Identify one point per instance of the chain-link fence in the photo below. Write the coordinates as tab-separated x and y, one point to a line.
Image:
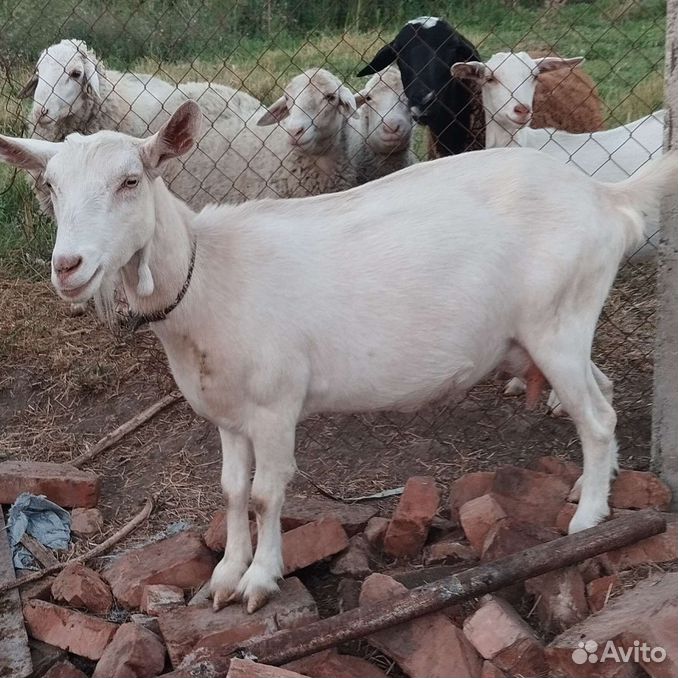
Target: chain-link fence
271	133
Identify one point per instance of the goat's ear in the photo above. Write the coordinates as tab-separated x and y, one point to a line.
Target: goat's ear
176	137
545	64
360	99
27	154
275	113
92	83
28	90
385	56
347	102
470	70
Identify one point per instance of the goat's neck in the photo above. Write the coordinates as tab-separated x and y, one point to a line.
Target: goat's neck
168	254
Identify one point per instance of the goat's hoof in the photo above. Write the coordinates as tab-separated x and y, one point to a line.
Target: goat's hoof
555	406
515	387
224	583
583	520
256	587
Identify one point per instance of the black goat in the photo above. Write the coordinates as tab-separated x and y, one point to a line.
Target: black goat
424	50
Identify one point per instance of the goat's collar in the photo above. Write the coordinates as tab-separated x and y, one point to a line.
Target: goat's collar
137	320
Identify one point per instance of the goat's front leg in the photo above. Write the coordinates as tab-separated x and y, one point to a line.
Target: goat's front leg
273	441
235	482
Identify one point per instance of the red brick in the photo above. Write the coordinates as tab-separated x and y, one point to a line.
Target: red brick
182	560
40	589
646	614
448	552
408	529
298	511
86	523
375	530
187	628
661	548
430	646
478	517
63	484
511	536
469	487
639	489
568	470
64	669
500	635
245	668
81	587
489	670
530	496
156	598
330	664
134	652
215	535
354	561
70	630
311	543
565	515
599	590
560	598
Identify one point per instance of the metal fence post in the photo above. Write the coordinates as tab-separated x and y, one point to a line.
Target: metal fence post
665	404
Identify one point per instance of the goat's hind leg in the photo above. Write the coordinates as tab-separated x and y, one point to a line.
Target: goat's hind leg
235	482
577	381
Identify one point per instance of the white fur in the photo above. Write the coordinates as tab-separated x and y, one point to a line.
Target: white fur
425	21
337	303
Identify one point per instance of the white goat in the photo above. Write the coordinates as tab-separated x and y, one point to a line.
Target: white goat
272	310
380	140
508	82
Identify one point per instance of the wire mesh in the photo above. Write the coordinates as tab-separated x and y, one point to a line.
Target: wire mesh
128	65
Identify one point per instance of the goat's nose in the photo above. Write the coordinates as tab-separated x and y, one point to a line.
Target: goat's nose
392	126
43	112
296	133
64	265
521	109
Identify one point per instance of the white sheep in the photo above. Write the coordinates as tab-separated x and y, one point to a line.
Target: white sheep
273	310
380	140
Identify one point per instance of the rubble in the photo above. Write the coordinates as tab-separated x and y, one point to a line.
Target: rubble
134	652
311	543
157	598
83	588
86	522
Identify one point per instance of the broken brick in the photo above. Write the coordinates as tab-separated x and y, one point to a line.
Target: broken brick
354	561
644	614
489	670
81	587
500	635
187	628
511	536
448	552
638	490
76	632
408	529
560	598
469	486
375	530
182	560
63	484
478	517
331	664
215	535
599	590
298	511
64	669
311	543
530	496
134	652
245	668
568	470
43	656
86	522
158	597
430	646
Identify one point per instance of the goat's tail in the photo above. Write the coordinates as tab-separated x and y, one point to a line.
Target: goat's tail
639	197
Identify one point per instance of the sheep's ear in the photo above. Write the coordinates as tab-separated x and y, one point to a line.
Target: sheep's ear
92	84
347	102
470	70
545	64
28	90
360	99
27	154
385	56
176	137
276	112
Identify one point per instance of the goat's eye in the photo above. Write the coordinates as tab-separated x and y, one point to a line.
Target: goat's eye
368	98
75	73
48	186
491	80
331	98
130	182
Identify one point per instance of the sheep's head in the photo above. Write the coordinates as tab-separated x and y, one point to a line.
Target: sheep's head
508	81
103	194
313	110
65	85
384	112
424	50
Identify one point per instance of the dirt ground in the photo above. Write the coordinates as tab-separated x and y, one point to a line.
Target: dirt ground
65	382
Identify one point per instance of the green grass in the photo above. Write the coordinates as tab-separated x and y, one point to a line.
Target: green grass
260	44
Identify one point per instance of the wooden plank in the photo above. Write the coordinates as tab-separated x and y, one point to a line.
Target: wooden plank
41	553
15	656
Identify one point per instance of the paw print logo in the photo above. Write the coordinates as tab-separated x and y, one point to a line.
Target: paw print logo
585	652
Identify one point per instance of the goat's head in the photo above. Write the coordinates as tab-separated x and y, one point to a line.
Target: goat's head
384	112
102	192
313	110
424	50
508	81
66	83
